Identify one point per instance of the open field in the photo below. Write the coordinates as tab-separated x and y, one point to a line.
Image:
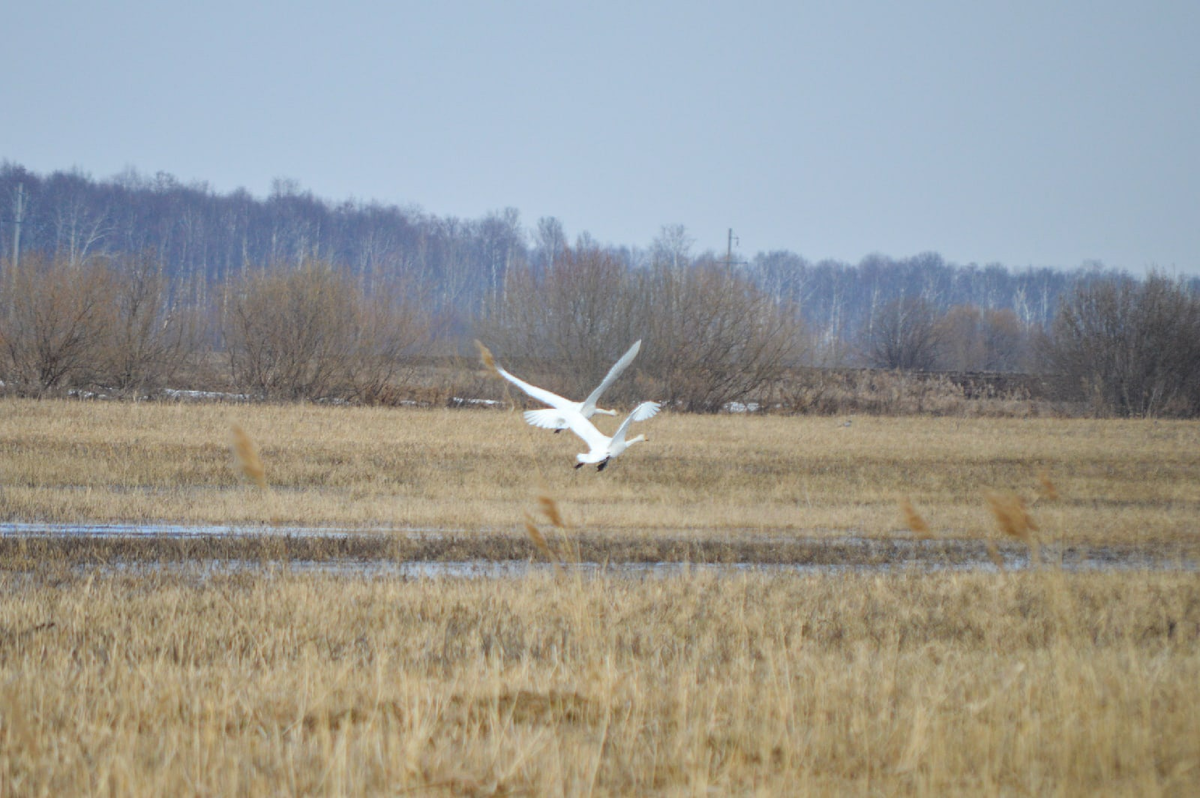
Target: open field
1033	683
1135	482
173	677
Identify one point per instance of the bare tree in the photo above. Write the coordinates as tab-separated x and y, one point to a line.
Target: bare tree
903	334
58	320
550	242
672	247
974	339
1129	348
310	333
152	336
577	314
713	337
391	330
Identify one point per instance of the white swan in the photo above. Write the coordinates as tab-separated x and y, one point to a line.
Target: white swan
555	416
601	447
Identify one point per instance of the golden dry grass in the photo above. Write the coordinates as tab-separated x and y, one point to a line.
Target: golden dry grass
170	680
1115	481
1038	683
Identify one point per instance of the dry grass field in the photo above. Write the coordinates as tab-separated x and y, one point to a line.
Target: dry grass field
1116	481
1018	684
124	671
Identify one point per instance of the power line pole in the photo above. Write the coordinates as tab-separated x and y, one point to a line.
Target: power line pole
729	261
19	217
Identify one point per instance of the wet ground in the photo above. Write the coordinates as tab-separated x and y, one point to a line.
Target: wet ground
433	553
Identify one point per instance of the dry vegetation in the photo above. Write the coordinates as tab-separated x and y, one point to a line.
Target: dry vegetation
177	679
1036	683
1116	481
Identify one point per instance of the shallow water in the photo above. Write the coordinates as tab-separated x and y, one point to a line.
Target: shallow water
162	530
824	555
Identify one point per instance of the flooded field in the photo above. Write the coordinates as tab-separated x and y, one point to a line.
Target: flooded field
447	553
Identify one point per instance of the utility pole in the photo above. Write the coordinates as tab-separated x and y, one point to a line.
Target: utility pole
18	218
729	261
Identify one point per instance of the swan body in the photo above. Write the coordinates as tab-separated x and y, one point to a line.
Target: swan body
602	448
555	416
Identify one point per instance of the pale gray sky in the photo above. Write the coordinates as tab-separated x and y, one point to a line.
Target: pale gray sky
1026	133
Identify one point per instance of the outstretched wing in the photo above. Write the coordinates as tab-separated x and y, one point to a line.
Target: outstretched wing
589	405
546	418
640	413
541	394
645	410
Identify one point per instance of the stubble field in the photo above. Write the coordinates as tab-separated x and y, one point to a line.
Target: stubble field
125	671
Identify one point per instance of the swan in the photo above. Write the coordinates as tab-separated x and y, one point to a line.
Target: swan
555	416
602	448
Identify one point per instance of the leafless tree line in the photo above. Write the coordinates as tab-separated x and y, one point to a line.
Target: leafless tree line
911	334
1121	346
116	326
70	324
711	337
207	240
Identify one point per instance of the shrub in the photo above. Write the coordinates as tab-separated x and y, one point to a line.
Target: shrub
310	333
53	322
1128	348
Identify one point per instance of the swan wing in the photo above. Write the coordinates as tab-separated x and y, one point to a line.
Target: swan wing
589	404
644	411
546	418
541	394
640	413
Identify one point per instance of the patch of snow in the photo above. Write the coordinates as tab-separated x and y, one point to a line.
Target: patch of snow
200	396
459	401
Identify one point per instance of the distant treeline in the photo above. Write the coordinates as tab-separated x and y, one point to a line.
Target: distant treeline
203	238
208	258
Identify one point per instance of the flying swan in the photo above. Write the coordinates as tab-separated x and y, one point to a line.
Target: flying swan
602	448
555	416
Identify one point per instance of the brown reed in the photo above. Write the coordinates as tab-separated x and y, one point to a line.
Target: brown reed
245	454
1046	488
914	521
1012	516
539	540
550	510
485	356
